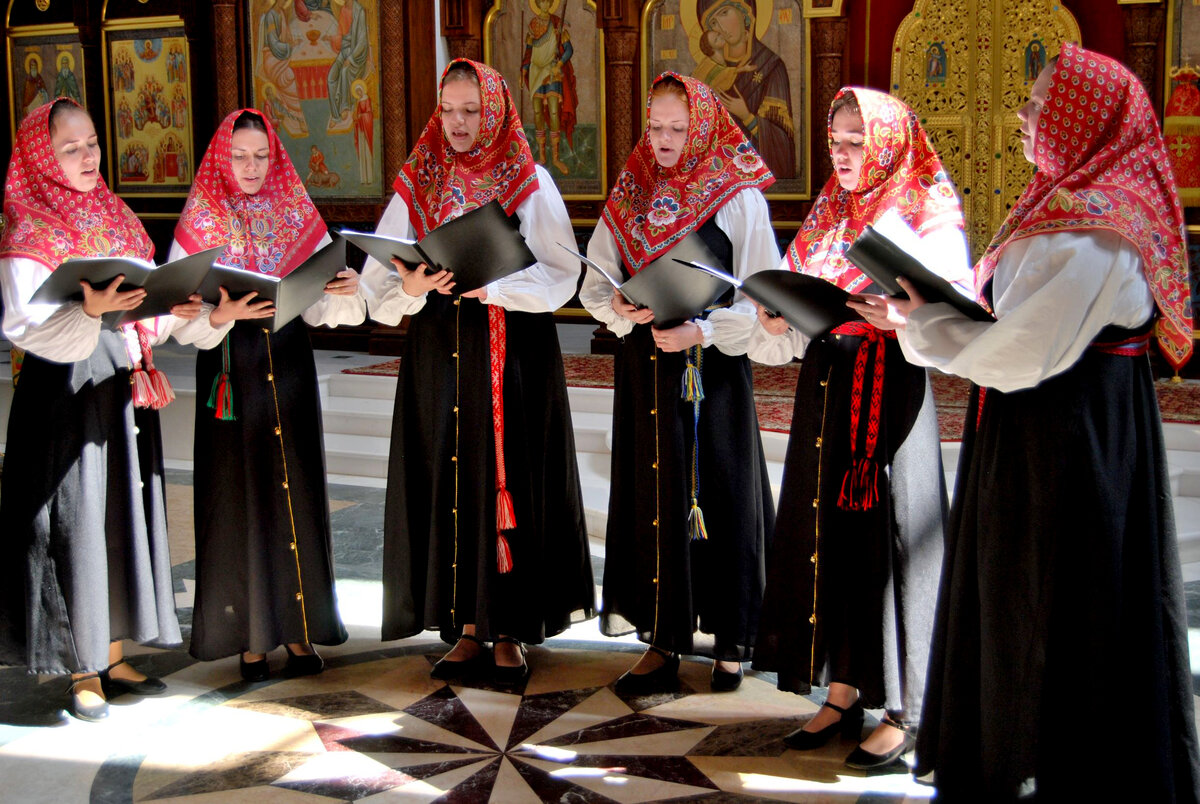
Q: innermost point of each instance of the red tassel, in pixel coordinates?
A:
(164, 394)
(504, 561)
(860, 488)
(506, 517)
(143, 391)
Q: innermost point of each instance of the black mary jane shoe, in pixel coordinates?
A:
(723, 681)
(113, 686)
(302, 664)
(254, 671)
(445, 670)
(861, 759)
(92, 714)
(850, 725)
(663, 678)
(515, 676)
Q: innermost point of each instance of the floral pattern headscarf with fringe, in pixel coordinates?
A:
(651, 208)
(900, 170)
(1102, 164)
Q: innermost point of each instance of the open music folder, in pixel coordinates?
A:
(478, 247)
(303, 287)
(674, 291)
(166, 285)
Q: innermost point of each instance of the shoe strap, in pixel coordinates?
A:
(473, 638)
(666, 654)
(508, 640)
(895, 724)
(84, 677)
(839, 709)
(106, 670)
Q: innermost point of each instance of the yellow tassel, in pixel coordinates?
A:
(696, 522)
(693, 388)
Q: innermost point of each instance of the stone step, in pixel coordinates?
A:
(356, 456)
(363, 386)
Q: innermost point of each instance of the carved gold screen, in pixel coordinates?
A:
(965, 67)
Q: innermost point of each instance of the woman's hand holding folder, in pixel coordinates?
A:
(887, 312)
(240, 309)
(773, 324)
(109, 298)
(346, 283)
(418, 282)
(638, 315)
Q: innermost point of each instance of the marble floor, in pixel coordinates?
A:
(375, 727)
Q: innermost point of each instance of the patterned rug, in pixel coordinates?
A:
(775, 387)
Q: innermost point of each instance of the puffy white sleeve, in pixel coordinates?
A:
(746, 220)
(382, 287)
(549, 283)
(60, 333)
(775, 350)
(597, 293)
(333, 310)
(1052, 293)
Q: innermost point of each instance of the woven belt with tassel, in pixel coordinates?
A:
(860, 486)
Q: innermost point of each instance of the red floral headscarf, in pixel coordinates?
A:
(900, 170)
(651, 208)
(48, 219)
(272, 231)
(1102, 164)
(439, 184)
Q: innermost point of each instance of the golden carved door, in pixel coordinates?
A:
(965, 67)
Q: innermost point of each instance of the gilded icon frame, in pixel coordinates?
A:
(148, 82)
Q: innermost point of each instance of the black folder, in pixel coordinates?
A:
(478, 247)
(668, 286)
(291, 294)
(883, 260)
(166, 285)
(809, 304)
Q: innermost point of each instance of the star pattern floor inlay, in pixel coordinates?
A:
(378, 728)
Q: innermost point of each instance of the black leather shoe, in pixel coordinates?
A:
(723, 681)
(510, 676)
(119, 686)
(302, 664)
(92, 714)
(444, 670)
(850, 725)
(254, 671)
(861, 759)
(664, 678)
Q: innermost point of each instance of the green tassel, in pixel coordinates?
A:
(693, 388)
(696, 522)
(220, 399)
